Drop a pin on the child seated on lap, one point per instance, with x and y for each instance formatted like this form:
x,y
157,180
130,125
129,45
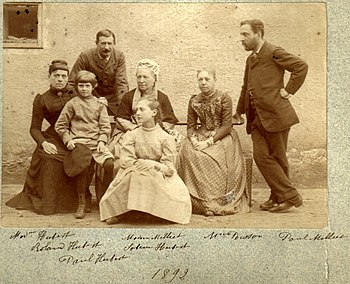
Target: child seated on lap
x,y
84,120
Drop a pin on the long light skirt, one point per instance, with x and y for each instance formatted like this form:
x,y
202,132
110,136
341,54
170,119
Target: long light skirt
x,y
150,192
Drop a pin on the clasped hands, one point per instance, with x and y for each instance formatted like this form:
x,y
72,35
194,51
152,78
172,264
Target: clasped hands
x,y
145,164
201,145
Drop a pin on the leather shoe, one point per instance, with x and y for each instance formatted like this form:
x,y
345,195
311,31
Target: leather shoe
x,y
209,213
267,205
285,206
113,220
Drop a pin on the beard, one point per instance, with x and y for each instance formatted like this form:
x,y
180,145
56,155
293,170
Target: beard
x,y
251,45
248,47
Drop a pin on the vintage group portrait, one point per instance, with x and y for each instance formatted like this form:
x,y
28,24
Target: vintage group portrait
x,y
143,122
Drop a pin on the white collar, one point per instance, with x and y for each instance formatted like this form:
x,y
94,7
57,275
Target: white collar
x,y
258,50
106,59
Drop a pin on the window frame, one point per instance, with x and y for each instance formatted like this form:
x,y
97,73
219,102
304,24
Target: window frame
x,y
24,43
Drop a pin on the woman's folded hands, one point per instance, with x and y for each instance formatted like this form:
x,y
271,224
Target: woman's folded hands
x,y
144,164
201,145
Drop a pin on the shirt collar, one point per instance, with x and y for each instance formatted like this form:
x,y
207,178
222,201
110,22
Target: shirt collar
x,y
105,59
258,50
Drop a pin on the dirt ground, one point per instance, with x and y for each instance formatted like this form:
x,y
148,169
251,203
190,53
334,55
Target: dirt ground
x,y
312,215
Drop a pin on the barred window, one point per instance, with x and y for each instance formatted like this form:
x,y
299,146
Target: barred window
x,y
22,25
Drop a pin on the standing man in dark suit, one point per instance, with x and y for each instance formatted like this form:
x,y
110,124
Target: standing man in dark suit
x,y
108,64
265,102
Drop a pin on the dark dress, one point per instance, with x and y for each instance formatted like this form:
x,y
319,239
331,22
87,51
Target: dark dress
x,y
126,106
47,189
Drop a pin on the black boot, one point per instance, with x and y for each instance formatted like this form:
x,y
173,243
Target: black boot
x,y
88,202
81,183
80,214
88,196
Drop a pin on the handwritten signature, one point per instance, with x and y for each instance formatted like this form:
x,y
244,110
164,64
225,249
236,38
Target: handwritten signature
x,y
287,236
92,258
41,235
168,235
233,235
74,245
158,247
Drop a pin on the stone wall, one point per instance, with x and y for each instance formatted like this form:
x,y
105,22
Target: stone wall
x,y
181,38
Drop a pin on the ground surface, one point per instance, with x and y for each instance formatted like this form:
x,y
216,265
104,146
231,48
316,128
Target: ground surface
x,y
313,214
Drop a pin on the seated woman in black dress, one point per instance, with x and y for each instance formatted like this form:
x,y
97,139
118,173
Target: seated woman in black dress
x,y
47,189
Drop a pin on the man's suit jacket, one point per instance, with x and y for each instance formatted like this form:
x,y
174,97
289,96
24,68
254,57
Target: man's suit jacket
x,y
111,75
263,78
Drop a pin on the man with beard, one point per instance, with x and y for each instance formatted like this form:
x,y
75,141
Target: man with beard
x,y
265,102
108,64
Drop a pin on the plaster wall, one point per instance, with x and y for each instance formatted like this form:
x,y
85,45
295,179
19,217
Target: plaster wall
x,y
181,38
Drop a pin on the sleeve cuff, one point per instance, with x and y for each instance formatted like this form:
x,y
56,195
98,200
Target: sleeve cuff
x,y
103,138
66,138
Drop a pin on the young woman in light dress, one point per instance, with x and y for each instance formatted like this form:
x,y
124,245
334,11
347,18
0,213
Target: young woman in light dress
x,y
147,180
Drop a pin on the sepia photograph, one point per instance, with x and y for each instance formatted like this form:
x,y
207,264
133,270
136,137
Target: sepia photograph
x,y
135,132
242,140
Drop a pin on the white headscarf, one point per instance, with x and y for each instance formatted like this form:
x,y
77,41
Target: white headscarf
x,y
149,64
154,68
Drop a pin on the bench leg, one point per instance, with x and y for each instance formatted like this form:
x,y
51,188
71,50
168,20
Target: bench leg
x,y
249,170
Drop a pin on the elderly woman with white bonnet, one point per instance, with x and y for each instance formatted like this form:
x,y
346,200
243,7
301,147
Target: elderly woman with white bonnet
x,y
147,74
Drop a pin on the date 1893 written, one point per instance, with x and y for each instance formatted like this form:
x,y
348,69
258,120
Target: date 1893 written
x,y
169,275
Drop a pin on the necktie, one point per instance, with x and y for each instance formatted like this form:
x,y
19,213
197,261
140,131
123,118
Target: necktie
x,y
254,58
